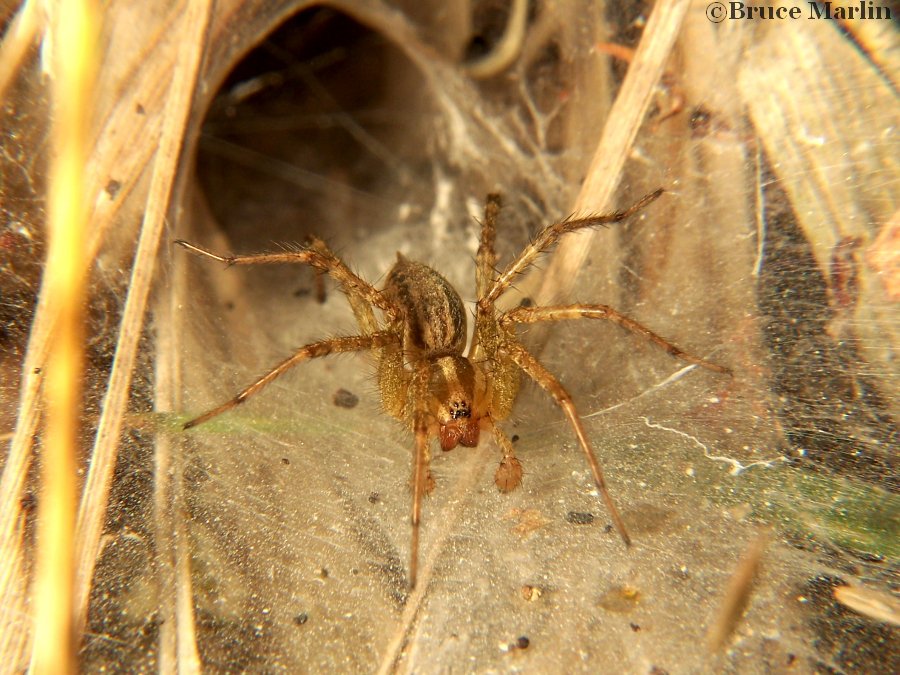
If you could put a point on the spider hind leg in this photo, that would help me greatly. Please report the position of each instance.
(537, 372)
(567, 312)
(314, 350)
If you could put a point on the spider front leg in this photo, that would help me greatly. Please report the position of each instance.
(486, 259)
(543, 377)
(548, 237)
(361, 295)
(315, 350)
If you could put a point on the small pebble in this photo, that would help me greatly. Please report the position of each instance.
(345, 399)
(579, 518)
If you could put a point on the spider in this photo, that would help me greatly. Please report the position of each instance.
(425, 379)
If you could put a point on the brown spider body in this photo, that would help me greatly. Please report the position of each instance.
(424, 377)
(433, 315)
(434, 330)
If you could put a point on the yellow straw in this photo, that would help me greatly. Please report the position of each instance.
(72, 31)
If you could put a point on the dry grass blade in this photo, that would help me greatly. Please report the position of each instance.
(18, 39)
(619, 132)
(113, 152)
(509, 47)
(92, 512)
(75, 60)
(177, 642)
(794, 77)
(14, 639)
(738, 593)
(868, 602)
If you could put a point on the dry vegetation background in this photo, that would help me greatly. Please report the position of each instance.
(277, 538)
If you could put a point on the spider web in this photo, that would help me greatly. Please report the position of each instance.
(294, 508)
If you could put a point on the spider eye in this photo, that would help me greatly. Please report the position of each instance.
(459, 409)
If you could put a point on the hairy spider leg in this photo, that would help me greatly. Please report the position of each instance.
(495, 340)
(361, 294)
(314, 350)
(551, 234)
(486, 335)
(540, 375)
(486, 258)
(404, 394)
(419, 389)
(485, 342)
(533, 368)
(565, 312)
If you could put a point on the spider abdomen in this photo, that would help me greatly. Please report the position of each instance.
(432, 311)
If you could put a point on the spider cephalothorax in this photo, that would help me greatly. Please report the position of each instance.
(432, 321)
(426, 378)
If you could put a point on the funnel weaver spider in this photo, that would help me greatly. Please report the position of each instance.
(425, 380)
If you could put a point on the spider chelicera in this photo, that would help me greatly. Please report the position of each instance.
(418, 344)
